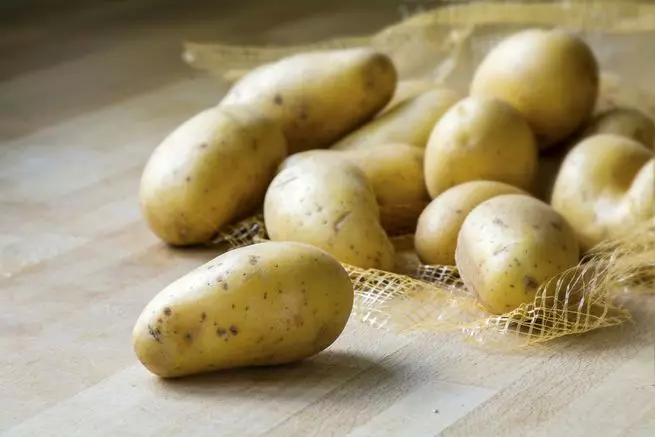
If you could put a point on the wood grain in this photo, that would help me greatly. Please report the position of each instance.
(88, 89)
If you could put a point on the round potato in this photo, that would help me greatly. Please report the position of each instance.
(626, 122)
(395, 172)
(550, 76)
(318, 97)
(265, 304)
(480, 139)
(508, 246)
(435, 239)
(410, 122)
(605, 187)
(329, 204)
(210, 171)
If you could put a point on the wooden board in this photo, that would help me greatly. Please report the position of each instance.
(88, 89)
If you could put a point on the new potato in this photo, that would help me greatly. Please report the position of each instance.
(210, 171)
(435, 239)
(265, 304)
(409, 122)
(605, 187)
(626, 122)
(395, 172)
(509, 245)
(550, 76)
(407, 89)
(329, 204)
(318, 97)
(480, 139)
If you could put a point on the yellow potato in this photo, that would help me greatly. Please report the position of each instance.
(329, 204)
(409, 88)
(508, 246)
(480, 139)
(210, 171)
(265, 304)
(410, 122)
(605, 187)
(395, 172)
(550, 76)
(435, 239)
(318, 97)
(626, 122)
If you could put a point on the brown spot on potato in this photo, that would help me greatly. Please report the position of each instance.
(221, 332)
(252, 260)
(298, 321)
(224, 285)
(278, 100)
(202, 145)
(556, 225)
(233, 330)
(203, 317)
(188, 337)
(458, 211)
(499, 222)
(536, 227)
(167, 311)
(266, 294)
(155, 333)
(188, 178)
(530, 283)
(260, 339)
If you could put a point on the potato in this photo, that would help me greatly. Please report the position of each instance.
(210, 171)
(435, 239)
(318, 97)
(626, 122)
(605, 187)
(480, 139)
(265, 304)
(395, 172)
(508, 246)
(331, 205)
(550, 76)
(410, 122)
(409, 88)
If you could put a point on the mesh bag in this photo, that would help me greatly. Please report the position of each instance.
(445, 45)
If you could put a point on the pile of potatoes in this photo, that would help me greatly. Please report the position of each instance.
(511, 182)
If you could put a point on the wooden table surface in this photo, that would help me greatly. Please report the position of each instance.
(87, 90)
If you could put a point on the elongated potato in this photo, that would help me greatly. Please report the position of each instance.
(410, 122)
(265, 304)
(509, 245)
(626, 122)
(329, 204)
(318, 97)
(480, 139)
(550, 76)
(435, 239)
(395, 172)
(210, 171)
(605, 187)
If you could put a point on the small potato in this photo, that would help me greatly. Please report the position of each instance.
(409, 88)
(480, 139)
(410, 122)
(329, 204)
(625, 122)
(265, 304)
(550, 76)
(605, 187)
(318, 97)
(210, 171)
(395, 172)
(435, 239)
(508, 246)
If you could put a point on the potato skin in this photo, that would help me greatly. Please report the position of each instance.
(509, 245)
(435, 239)
(318, 97)
(550, 76)
(605, 187)
(626, 122)
(409, 88)
(409, 122)
(265, 304)
(331, 205)
(480, 139)
(211, 170)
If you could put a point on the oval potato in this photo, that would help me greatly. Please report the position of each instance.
(409, 122)
(508, 246)
(605, 187)
(480, 139)
(210, 171)
(318, 97)
(329, 204)
(626, 122)
(265, 304)
(550, 76)
(435, 239)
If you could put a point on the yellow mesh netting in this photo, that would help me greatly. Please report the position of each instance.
(445, 45)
